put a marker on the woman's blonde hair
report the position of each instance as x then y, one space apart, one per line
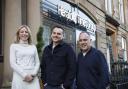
29 32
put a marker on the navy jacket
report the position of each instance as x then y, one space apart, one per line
92 70
58 66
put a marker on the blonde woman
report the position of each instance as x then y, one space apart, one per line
24 61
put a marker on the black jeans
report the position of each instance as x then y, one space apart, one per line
52 87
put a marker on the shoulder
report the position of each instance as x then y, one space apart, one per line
33 46
46 48
67 45
79 54
13 45
96 51
68 48
99 54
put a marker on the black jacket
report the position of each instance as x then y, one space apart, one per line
92 70
58 66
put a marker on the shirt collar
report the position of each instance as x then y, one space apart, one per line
60 44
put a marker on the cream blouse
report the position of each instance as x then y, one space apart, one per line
24 57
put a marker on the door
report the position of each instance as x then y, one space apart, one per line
69 37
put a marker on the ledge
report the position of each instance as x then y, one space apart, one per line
111 20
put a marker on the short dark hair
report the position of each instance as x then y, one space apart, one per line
57 27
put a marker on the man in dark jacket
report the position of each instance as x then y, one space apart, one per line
92 69
58 64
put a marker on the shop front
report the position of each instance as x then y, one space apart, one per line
70 17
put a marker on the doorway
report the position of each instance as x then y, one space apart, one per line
111 47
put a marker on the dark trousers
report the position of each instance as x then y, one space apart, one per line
52 87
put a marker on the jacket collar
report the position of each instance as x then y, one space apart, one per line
60 44
91 48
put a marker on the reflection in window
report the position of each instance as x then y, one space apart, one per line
108 6
124 49
121 11
46 35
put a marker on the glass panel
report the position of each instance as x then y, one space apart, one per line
24 11
0 41
121 10
46 35
109 48
124 49
1 28
69 37
108 6
77 39
61 9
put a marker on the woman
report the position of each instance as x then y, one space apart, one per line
24 61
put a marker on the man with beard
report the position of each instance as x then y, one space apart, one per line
58 62
92 69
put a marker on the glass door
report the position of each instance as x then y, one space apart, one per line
109 52
69 37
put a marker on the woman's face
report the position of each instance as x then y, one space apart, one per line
23 34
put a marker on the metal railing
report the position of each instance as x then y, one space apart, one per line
119 75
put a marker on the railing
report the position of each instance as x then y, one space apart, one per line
119 75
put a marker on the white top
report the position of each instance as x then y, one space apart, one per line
24 57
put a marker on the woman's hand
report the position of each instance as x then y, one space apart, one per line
28 78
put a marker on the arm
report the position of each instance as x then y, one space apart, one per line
104 79
71 70
37 63
43 67
13 63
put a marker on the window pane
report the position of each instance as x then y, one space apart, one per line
124 49
121 10
108 5
1 30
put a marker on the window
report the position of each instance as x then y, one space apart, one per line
0 40
108 6
1 26
24 11
2 9
73 20
121 11
46 35
0 30
124 49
